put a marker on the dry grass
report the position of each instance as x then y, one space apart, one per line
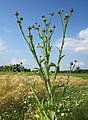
11 83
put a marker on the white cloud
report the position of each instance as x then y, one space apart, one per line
17 61
3 46
14 61
77 45
4 29
80 64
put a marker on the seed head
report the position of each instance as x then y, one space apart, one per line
16 14
59 12
71 10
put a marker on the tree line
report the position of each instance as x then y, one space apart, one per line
14 68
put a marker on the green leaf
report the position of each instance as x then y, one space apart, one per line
42 60
62 57
52 64
40 47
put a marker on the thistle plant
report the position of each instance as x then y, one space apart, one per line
47 110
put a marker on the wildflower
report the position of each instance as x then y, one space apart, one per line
24 102
71 10
35 114
16 13
62 114
59 12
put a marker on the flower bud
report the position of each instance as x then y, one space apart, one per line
51 31
49 13
44 19
54 26
16 13
62 10
33 26
21 63
52 13
18 21
29 27
21 18
59 12
43 16
43 30
66 16
75 61
37 28
38 25
71 63
71 10
38 44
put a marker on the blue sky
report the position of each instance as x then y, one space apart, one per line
13 48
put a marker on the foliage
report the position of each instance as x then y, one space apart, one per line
13 68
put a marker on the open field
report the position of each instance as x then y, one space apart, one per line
17 102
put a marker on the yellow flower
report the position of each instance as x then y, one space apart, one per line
35 114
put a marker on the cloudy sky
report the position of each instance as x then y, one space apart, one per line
13 48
